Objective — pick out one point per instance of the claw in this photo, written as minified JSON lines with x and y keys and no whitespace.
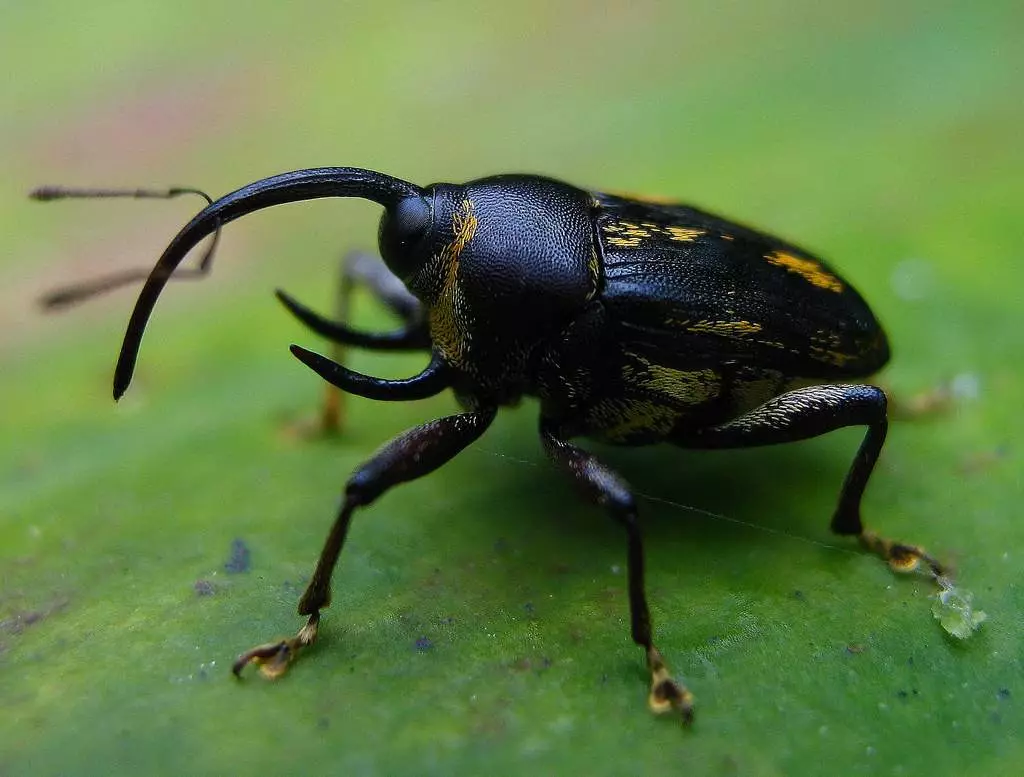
{"x":666,"y":694}
{"x":902,"y":558}
{"x":274,"y":658}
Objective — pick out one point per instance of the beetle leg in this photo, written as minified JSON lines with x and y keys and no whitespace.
{"x":605,"y":488}
{"x":809,"y":412}
{"x":409,"y":456}
{"x":359,"y":267}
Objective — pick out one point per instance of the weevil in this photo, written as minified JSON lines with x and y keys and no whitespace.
{"x":631,"y":322}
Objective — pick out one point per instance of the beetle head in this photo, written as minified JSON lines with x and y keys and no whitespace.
{"x":407,"y":215}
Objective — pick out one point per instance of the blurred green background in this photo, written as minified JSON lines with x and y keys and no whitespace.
{"x":479,"y":617}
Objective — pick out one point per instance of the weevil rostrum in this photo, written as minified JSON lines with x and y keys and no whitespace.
{"x":631,"y":322}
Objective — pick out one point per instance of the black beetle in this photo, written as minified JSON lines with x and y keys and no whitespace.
{"x":631,"y":321}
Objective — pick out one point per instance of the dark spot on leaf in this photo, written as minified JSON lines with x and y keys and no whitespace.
{"x":19,"y":621}
{"x":323,"y":723}
{"x":238,"y":561}
{"x":204,"y":588}
{"x":423,"y":644}
{"x":800,"y":596}
{"x":901,"y":694}
{"x":1003,"y":694}
{"x":529,"y":608}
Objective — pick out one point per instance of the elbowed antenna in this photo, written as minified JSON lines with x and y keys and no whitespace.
{"x":295,"y":186}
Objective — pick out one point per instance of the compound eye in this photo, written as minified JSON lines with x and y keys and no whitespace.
{"x":412,"y":219}
{"x":402,"y":230}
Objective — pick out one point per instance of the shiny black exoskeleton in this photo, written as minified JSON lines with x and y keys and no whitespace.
{"x":632,"y":322}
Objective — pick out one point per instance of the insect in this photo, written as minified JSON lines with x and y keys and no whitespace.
{"x":631,"y":322}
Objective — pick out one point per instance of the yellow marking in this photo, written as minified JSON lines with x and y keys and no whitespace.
{"x":808,"y":269}
{"x":464,"y":225}
{"x":727,"y":237}
{"x":725,"y":328}
{"x":448,"y":328}
{"x":687,"y":387}
{"x":683,"y":234}
{"x":693,"y":388}
{"x":635,"y":230}
{"x":628,"y":234}
{"x":594,"y":268}
{"x":829,"y":356}
{"x":621,"y":420}
{"x":623,"y":242}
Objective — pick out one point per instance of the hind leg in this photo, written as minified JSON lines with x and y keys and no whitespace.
{"x":812,"y":411}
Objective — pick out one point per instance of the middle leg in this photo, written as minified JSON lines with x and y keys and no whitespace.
{"x":606,"y":489}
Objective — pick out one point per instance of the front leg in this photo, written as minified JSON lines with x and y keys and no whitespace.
{"x":407,"y":457}
{"x":606,"y":489}
{"x":809,"y":412}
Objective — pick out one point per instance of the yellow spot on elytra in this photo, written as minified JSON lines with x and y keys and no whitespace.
{"x":628,"y":234}
{"x":808,"y":269}
{"x":831,"y":356}
{"x":683,"y":234}
{"x":725,"y":328}
{"x":623,"y":242}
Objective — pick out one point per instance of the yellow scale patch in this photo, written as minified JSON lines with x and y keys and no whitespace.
{"x":629,"y":234}
{"x":618,"y":420}
{"x":688,"y":387}
{"x":725,"y":328}
{"x":808,"y":269}
{"x":447,"y":328}
{"x":825,"y":348}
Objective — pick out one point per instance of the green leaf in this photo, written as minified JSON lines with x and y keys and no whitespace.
{"x":479,"y":620}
